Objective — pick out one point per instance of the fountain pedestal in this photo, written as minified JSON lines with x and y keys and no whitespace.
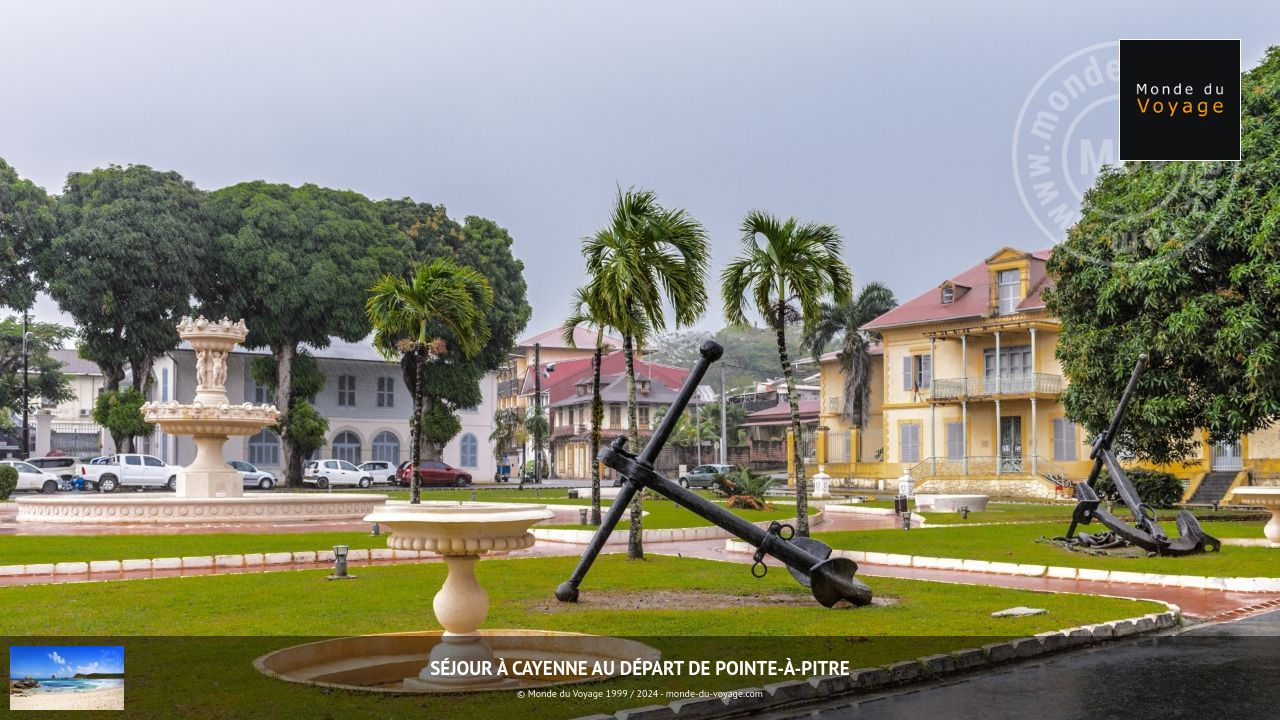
{"x":460,"y":533}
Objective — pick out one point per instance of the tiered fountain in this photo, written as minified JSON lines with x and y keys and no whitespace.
{"x":455,"y":660}
{"x":208,"y":491}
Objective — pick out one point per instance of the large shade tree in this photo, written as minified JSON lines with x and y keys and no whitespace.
{"x":646,"y":258}
{"x":295,"y":263}
{"x":842,"y":322}
{"x":403,"y":312}
{"x":786,"y":270}
{"x":26,"y":224}
{"x":485,"y":247}
{"x":1180,"y":261}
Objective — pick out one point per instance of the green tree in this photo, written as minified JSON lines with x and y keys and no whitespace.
{"x":485,"y":247}
{"x":586,"y":311}
{"x":26,"y":224}
{"x":647,"y":257}
{"x":403,"y":311}
{"x":294,"y":263}
{"x":843,"y":321}
{"x":120,"y":412}
{"x":735,"y":415}
{"x":503,"y":437}
{"x":308,"y":427}
{"x":131,"y":245}
{"x":45,"y":379}
{"x":786,"y":277}
{"x":1180,"y":261}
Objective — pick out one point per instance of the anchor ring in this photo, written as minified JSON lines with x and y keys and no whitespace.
{"x":764,"y":570}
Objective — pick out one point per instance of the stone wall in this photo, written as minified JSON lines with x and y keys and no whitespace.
{"x":1011,"y":487}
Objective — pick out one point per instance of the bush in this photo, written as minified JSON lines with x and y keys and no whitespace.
{"x":745,"y":490}
{"x":1156,"y":488}
{"x":8,"y":481}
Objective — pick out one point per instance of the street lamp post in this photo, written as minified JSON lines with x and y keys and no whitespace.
{"x":723,"y":433}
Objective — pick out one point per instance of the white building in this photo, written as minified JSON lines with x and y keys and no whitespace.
{"x":364,"y":399}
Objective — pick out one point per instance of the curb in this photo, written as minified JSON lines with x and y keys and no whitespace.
{"x":756,"y":700}
{"x":204,"y":562}
{"x":1232,"y":584}
{"x":619,"y":537}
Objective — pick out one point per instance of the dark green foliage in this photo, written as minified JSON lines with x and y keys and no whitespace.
{"x":1181,"y":261}
{"x":746,"y":489}
{"x":131,"y":245}
{"x":26,"y":224}
{"x":44,"y":374}
{"x":8,"y":481}
{"x":307,"y":427}
{"x":119,"y":411}
{"x":1156,"y":488}
{"x":307,"y":377}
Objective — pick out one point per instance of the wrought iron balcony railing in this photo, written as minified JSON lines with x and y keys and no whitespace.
{"x":986,"y":466}
{"x":1005,"y":385}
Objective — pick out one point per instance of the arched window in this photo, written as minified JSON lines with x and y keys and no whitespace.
{"x":468,"y":451}
{"x":264,"y":448}
{"x":386,"y":446}
{"x":346,"y":446}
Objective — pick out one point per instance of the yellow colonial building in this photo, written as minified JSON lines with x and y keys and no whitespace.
{"x":965,"y":398}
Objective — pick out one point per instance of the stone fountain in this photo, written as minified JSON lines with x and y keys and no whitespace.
{"x":460,"y":532}
{"x":1265,"y":497}
{"x":208,"y":491}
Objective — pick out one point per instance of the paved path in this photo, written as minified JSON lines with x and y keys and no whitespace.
{"x":1209,"y":672}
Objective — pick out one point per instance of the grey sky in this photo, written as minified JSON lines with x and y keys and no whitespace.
{"x":893,"y":121}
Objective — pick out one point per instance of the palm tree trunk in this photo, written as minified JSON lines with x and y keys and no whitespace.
{"x":415,"y":427}
{"x":797,"y":432}
{"x":635,"y":544}
{"x":597,"y":416}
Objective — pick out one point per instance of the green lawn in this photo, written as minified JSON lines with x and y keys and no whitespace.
{"x":664,"y":514}
{"x":31,"y":549}
{"x":1010,"y":512}
{"x":242,"y":616}
{"x":1018,"y":543}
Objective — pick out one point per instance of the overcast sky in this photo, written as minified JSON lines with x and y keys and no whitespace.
{"x":892,"y":120}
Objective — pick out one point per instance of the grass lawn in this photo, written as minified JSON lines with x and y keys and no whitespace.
{"x":1009,"y":512}
{"x":663,"y":514}
{"x":1018,"y":543}
{"x":242,"y":616}
{"x":31,"y":549}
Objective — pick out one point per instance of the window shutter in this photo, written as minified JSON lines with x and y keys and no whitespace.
{"x":926,"y":371}
{"x":906,"y":372}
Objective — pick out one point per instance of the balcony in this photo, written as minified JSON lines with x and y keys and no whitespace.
{"x":989,"y":388}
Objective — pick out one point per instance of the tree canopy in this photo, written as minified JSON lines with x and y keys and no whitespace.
{"x":131,"y":245}
{"x":1180,"y":261}
{"x":26,"y":224}
{"x":44,"y":373}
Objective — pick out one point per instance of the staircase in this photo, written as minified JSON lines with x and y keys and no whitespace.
{"x":1213,"y":487}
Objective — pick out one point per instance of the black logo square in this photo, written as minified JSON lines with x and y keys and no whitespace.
{"x":1179,"y":99}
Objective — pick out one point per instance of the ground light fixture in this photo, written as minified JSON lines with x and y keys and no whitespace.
{"x":906,"y":520}
{"x":582,"y":514}
{"x":964,"y":512}
{"x":375,"y":531}
{"x":340,"y":563}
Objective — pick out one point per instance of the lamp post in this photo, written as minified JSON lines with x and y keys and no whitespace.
{"x":26,"y":389}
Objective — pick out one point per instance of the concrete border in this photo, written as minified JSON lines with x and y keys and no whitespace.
{"x":108,"y":569}
{"x":1233,"y":584}
{"x":756,"y":700}
{"x":689,"y":534}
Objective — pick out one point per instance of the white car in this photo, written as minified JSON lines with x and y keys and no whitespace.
{"x":130,"y":470}
{"x":252,"y":476}
{"x":31,"y":477}
{"x":326,"y":473}
{"x":381,"y":470}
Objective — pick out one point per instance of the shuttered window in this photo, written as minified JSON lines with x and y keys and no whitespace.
{"x":909,"y":443}
{"x":955,"y":441}
{"x":1064,"y":439}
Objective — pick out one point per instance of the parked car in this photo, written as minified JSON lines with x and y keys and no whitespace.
{"x":252,"y":476}
{"x":31,"y":477}
{"x":63,"y":466}
{"x":131,"y":470}
{"x":435,"y":472}
{"x":703,"y":476}
{"x":324,"y":473}
{"x":381,"y":470}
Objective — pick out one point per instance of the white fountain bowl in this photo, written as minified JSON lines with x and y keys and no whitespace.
{"x":167,"y":508}
{"x":459,"y":528}
{"x":1267,"y":497}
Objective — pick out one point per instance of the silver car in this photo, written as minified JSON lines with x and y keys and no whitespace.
{"x":252,"y":476}
{"x":704,"y":476}
{"x":381,"y":470}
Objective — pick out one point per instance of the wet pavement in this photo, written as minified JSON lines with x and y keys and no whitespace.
{"x":1210,"y":672}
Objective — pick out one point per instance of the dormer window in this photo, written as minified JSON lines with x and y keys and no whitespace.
{"x":1009,"y":290}
{"x":948,"y":294}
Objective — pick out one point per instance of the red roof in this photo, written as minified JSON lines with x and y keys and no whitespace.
{"x":972,"y":297}
{"x":583,"y":338}
{"x":559,"y":383}
{"x":781,"y":413}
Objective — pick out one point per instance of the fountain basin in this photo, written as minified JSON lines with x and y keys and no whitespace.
{"x":167,"y":508}
{"x":459,"y":528}
{"x":381,"y":663}
{"x":1266,"y":497}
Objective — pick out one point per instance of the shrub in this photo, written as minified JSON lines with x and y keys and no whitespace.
{"x":744,"y":490}
{"x":1156,"y":488}
{"x":8,"y":481}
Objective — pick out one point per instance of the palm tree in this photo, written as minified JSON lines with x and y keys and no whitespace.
{"x":786,"y":277}
{"x":504,"y":433}
{"x":586,"y":311}
{"x":844,"y":320}
{"x":645,"y":258}
{"x":407,"y":313}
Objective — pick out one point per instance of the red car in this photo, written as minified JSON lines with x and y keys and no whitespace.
{"x":434,"y":472}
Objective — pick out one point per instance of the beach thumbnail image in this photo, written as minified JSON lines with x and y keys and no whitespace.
{"x":66,"y":677}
